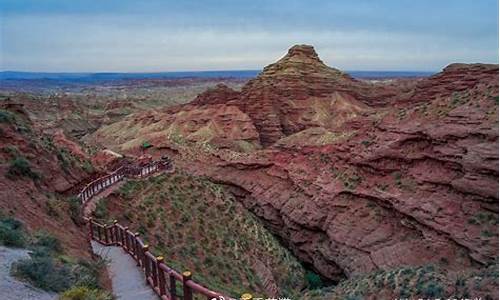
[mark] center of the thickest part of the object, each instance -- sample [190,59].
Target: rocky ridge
[359,177]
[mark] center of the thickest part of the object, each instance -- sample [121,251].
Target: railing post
[125,238]
[106,237]
[99,233]
[137,249]
[187,292]
[114,232]
[147,267]
[161,276]
[91,229]
[154,271]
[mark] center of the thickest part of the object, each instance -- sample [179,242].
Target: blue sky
[152,36]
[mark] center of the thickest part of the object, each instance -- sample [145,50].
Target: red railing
[166,282]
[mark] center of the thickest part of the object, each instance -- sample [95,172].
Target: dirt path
[10,287]
[127,280]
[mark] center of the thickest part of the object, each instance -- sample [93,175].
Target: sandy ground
[10,287]
[127,280]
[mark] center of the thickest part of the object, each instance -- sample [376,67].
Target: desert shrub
[87,166]
[46,243]
[85,293]
[75,209]
[64,159]
[101,211]
[433,289]
[11,233]
[47,269]
[6,117]
[86,273]
[43,271]
[20,167]
[313,280]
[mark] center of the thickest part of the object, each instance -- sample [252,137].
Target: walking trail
[127,280]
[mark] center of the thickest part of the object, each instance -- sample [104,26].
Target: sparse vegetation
[11,232]
[20,167]
[75,209]
[313,280]
[6,117]
[47,267]
[201,228]
[85,293]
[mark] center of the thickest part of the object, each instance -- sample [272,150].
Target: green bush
[20,167]
[11,233]
[433,290]
[44,272]
[101,211]
[6,117]
[45,242]
[75,209]
[313,280]
[49,270]
[84,293]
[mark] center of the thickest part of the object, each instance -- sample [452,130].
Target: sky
[187,35]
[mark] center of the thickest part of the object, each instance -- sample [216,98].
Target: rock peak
[303,50]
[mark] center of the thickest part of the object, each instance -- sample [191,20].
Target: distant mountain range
[98,77]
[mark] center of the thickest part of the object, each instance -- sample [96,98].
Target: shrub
[87,167]
[85,293]
[46,243]
[48,270]
[43,272]
[64,159]
[6,117]
[11,233]
[75,209]
[101,210]
[20,167]
[313,280]
[433,290]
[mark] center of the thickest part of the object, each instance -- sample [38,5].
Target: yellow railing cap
[246,296]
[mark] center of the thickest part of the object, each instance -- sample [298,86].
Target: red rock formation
[394,176]
[220,94]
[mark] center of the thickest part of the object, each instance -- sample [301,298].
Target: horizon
[165,36]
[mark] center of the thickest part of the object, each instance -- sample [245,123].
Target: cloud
[150,39]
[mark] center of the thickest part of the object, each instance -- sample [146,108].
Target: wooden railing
[166,282]
[101,183]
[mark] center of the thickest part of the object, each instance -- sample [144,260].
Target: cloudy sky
[151,36]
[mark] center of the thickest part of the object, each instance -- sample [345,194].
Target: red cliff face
[415,185]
